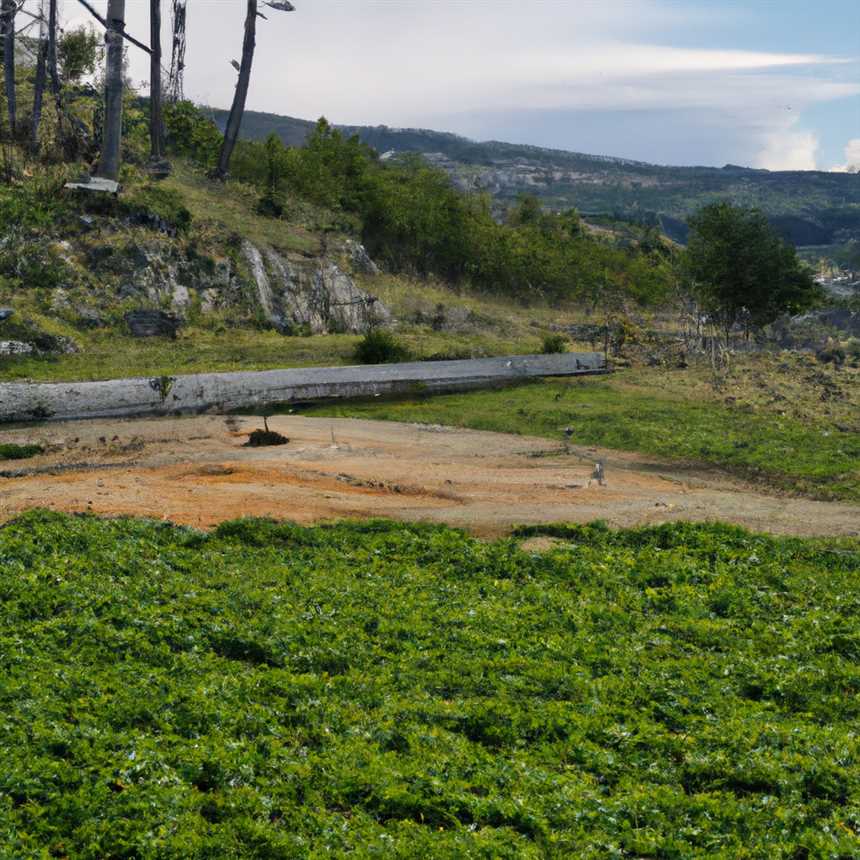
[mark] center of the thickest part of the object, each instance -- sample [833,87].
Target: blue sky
[760,83]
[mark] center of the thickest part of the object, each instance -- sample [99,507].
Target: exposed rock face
[152,324]
[162,273]
[148,275]
[16,347]
[313,295]
[360,259]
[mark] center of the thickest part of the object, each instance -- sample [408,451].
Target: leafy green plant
[380,346]
[379,689]
[191,133]
[554,344]
[10,451]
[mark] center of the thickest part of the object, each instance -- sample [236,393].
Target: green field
[380,690]
[812,456]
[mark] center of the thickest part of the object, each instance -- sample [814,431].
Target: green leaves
[388,690]
[741,269]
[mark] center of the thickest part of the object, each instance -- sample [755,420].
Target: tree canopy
[741,271]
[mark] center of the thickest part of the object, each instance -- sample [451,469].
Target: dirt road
[196,471]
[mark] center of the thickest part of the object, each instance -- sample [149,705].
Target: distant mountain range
[810,208]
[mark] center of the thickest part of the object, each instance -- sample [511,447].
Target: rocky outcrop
[242,281]
[152,324]
[310,295]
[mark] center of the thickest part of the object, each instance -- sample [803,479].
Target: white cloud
[789,148]
[852,158]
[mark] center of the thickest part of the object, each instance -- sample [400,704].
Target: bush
[19,452]
[380,347]
[191,133]
[554,344]
[157,206]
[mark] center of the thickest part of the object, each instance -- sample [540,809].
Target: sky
[761,83]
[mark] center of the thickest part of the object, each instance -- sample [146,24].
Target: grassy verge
[668,416]
[110,355]
[406,691]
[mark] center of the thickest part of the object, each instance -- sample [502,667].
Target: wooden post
[109,162]
[234,123]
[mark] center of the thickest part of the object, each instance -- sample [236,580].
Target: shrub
[19,452]
[380,347]
[191,133]
[158,206]
[554,344]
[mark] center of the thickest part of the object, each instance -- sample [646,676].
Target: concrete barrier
[227,392]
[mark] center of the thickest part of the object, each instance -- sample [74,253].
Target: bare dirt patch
[196,471]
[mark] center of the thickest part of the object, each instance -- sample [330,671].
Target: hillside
[808,207]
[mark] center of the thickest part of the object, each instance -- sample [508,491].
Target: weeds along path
[196,471]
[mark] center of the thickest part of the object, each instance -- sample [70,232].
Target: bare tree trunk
[177,58]
[156,125]
[9,8]
[39,83]
[234,123]
[112,139]
[52,63]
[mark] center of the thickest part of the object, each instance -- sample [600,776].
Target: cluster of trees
[741,271]
[736,268]
[412,219]
[116,38]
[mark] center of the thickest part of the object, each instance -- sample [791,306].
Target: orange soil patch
[195,471]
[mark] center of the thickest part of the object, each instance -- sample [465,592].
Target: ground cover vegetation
[780,420]
[407,691]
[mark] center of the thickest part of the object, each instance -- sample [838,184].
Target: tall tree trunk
[156,126]
[112,139]
[177,58]
[53,73]
[234,123]
[9,8]
[39,83]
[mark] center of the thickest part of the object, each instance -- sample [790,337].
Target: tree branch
[104,24]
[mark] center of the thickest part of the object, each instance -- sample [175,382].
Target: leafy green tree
[79,53]
[191,133]
[741,271]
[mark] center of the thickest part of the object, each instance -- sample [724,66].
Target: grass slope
[406,691]
[675,417]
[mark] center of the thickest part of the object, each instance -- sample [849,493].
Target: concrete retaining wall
[226,392]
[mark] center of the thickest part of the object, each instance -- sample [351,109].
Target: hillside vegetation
[808,207]
[404,691]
